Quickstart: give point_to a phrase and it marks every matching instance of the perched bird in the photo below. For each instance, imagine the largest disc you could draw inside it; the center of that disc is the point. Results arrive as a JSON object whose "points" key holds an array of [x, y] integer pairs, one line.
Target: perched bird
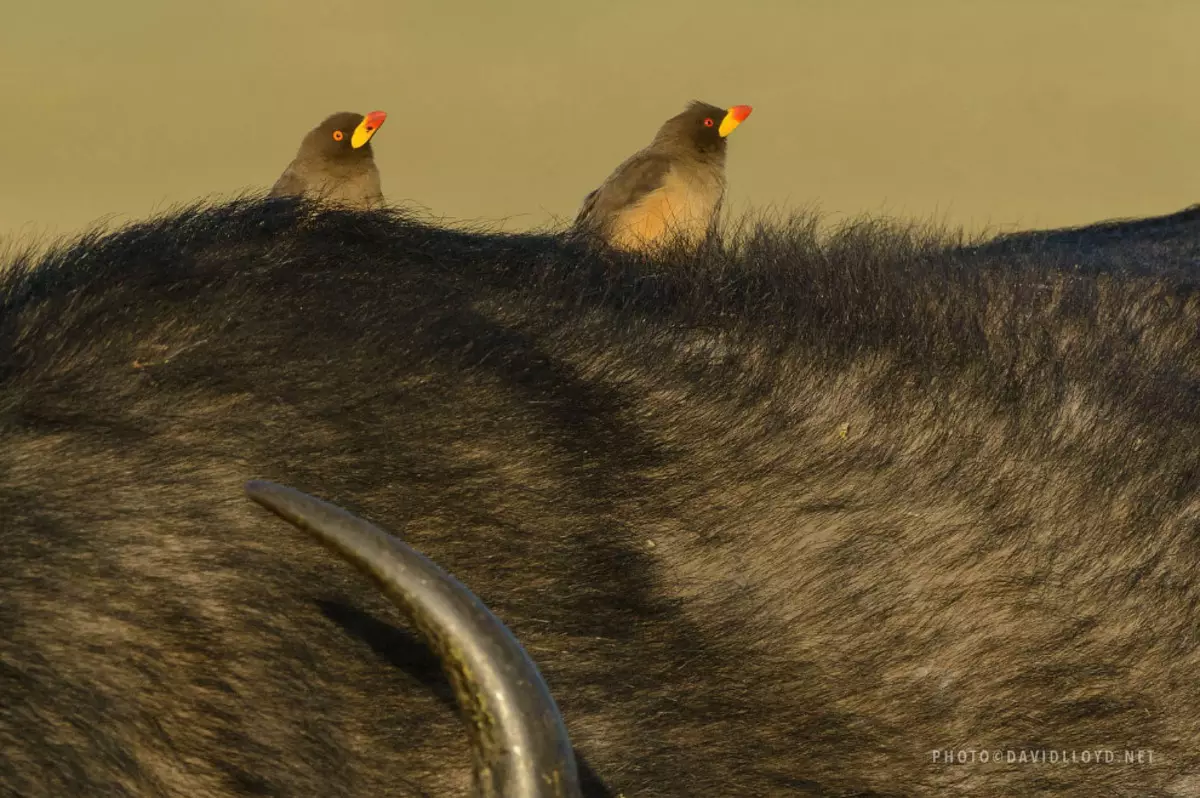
{"points": [[670, 190], [335, 162]]}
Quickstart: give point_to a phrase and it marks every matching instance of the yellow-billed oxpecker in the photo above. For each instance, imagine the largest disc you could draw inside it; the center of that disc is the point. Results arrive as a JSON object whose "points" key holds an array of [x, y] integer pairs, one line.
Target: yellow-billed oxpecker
{"points": [[335, 162], [669, 191]]}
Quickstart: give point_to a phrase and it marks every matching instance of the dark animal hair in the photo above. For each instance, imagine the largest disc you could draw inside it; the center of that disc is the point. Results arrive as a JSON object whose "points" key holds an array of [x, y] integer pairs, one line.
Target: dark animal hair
{"points": [[1156, 244], [806, 514]]}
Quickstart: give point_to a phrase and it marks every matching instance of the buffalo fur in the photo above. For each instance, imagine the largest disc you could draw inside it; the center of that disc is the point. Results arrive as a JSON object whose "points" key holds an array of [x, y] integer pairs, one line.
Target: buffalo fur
{"points": [[784, 518]]}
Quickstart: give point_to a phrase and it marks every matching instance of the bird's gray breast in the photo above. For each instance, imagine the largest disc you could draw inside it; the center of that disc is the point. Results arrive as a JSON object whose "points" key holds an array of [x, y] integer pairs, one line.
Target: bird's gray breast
{"points": [[355, 184], [684, 204]]}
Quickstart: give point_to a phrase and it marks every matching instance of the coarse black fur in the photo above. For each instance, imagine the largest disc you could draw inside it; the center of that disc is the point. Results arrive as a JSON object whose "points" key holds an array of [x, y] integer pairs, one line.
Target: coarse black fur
{"points": [[783, 518], [1129, 246]]}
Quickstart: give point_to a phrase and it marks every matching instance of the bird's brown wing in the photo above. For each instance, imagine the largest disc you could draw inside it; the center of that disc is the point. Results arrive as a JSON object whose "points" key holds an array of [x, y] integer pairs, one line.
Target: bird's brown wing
{"points": [[635, 178], [289, 184], [586, 208]]}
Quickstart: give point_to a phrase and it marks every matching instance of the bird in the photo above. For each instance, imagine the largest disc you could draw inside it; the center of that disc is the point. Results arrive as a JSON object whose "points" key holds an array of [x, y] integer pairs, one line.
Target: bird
{"points": [[671, 190], [335, 162]]}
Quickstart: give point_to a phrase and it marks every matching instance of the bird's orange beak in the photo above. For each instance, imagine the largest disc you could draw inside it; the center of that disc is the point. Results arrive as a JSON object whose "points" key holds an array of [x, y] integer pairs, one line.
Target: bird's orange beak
{"points": [[733, 117], [366, 128]]}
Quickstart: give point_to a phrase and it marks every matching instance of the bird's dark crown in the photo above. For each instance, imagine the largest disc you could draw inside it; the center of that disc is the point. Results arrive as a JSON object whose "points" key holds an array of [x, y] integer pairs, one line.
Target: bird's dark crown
{"points": [[696, 128], [323, 142]]}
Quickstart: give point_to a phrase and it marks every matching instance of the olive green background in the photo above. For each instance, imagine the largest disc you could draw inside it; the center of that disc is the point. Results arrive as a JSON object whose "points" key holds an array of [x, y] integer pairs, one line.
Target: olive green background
{"points": [[985, 113]]}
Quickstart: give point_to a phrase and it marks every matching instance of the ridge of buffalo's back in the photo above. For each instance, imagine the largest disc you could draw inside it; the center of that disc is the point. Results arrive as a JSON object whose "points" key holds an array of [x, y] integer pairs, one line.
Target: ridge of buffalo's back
{"points": [[781, 517]]}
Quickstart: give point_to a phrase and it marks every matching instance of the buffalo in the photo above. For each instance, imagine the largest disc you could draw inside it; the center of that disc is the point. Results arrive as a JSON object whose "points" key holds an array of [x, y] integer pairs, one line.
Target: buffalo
{"points": [[865, 511]]}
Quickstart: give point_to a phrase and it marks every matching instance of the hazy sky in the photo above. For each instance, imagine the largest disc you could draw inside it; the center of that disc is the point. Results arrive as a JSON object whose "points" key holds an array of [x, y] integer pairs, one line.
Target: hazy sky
{"points": [[995, 113]]}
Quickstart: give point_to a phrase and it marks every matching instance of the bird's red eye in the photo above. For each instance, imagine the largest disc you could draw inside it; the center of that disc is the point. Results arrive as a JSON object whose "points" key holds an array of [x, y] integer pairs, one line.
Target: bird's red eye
{"points": [[338, 135], [708, 122]]}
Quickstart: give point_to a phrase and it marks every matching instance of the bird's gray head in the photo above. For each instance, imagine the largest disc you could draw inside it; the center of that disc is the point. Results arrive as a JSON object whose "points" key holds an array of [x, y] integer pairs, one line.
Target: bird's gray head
{"points": [[343, 137], [702, 127]]}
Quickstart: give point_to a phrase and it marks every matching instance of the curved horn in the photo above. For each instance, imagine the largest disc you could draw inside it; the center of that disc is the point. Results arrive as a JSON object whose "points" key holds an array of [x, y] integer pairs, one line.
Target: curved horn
{"points": [[519, 743]]}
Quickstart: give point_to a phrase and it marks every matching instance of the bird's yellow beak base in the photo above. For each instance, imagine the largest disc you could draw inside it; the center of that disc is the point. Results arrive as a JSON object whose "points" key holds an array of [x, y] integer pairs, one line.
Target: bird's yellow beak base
{"points": [[733, 117], [367, 128]]}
